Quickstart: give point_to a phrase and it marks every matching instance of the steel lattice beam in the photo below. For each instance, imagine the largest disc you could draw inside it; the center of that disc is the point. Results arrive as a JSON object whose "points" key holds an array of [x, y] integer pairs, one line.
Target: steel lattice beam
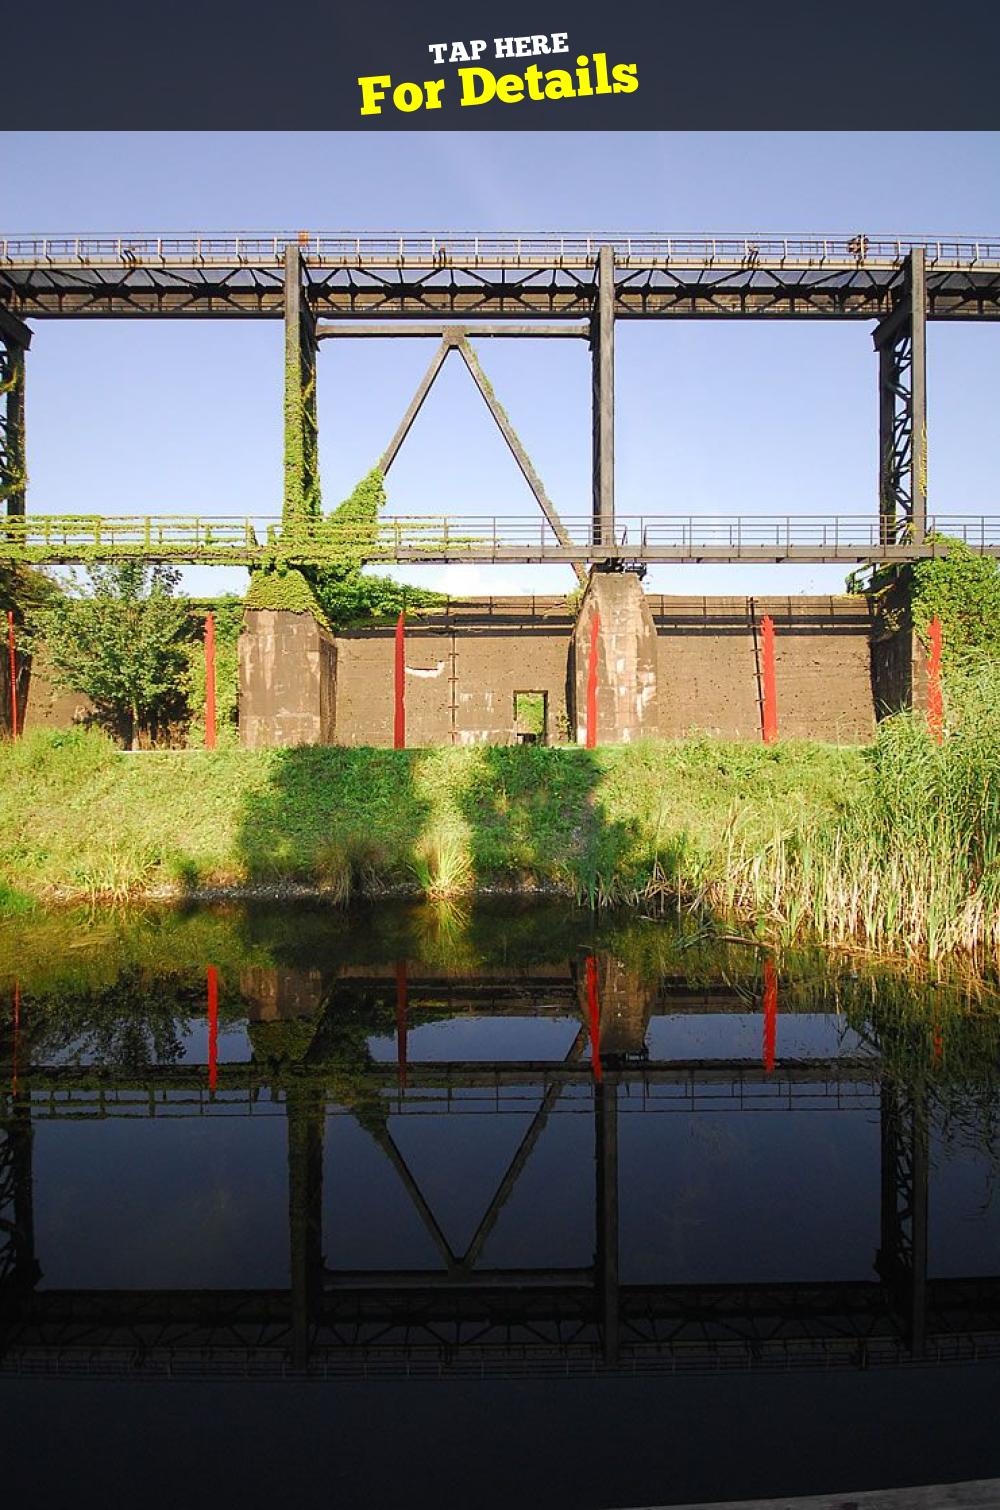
{"points": [[901, 343]]}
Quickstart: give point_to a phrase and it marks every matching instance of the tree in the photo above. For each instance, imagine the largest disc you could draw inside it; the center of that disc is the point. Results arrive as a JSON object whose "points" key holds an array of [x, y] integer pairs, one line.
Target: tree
{"points": [[119, 640]]}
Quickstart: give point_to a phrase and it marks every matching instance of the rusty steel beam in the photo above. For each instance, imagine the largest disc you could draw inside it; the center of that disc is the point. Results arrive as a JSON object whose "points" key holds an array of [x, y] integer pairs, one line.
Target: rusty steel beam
{"points": [[443, 328], [517, 450]]}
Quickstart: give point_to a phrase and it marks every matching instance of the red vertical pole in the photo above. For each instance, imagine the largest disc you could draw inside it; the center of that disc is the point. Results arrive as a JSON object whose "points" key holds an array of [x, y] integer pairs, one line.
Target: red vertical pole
{"points": [[13, 673], [769, 704], [213, 1026], [399, 724], [935, 702], [401, 1001], [594, 1016], [210, 681], [770, 1014], [595, 629]]}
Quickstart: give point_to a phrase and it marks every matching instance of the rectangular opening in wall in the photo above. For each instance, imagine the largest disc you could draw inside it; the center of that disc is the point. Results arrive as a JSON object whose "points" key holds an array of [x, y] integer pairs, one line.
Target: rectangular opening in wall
{"points": [[531, 718]]}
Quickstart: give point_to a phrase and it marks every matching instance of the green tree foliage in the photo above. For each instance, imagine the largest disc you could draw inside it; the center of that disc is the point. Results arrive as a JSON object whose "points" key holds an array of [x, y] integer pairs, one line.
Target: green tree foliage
{"points": [[119, 639]]}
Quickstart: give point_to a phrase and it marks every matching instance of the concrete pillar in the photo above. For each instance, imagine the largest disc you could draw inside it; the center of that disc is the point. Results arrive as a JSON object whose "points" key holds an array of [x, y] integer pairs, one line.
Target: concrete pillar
{"points": [[899, 659], [626, 660], [288, 680]]}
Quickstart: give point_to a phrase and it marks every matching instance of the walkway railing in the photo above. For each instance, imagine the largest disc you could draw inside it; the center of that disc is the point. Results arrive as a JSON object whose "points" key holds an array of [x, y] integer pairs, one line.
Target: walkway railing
{"points": [[248, 541], [494, 249]]}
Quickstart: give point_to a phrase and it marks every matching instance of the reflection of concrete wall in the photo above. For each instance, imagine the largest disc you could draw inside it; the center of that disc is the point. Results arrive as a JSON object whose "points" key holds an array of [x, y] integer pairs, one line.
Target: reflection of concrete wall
{"points": [[275, 995], [624, 1002], [287, 680]]}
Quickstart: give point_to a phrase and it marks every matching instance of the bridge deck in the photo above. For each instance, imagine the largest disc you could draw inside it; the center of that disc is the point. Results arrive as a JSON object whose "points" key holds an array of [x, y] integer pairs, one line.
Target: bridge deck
{"points": [[229, 540], [492, 275]]}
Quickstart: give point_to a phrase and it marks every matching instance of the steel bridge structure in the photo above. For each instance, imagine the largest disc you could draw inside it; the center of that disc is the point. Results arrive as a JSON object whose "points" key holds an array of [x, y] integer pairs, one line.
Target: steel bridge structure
{"points": [[461, 288], [466, 1314]]}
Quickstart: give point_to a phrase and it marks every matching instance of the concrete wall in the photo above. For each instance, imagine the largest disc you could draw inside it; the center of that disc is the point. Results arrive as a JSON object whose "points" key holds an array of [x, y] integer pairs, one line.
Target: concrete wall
{"points": [[287, 680], [463, 666], [709, 666]]}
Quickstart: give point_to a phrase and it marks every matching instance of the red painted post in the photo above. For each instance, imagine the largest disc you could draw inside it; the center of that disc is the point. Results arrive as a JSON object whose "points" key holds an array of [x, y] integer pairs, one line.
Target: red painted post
{"points": [[594, 1017], [213, 1026], [401, 1002], [210, 681], [935, 702], [399, 724], [13, 673], [770, 1014], [595, 629], [769, 700]]}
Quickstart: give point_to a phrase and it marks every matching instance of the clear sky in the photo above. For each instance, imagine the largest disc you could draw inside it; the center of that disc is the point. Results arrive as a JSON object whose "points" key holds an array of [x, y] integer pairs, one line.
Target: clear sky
{"points": [[742, 417]]}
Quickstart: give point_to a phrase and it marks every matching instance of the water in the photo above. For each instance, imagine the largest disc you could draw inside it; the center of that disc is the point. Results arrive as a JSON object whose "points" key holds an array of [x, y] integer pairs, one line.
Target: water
{"points": [[413, 1205]]}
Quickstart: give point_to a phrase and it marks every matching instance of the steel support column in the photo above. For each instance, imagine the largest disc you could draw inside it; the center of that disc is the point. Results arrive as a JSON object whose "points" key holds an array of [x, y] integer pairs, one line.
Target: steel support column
{"points": [[606, 1139], [15, 339], [302, 491], [18, 1264], [305, 1111], [602, 346], [902, 1257], [901, 343]]}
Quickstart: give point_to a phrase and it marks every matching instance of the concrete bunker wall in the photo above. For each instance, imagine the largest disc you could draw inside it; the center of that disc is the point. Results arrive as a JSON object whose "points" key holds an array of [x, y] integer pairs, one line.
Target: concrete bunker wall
{"points": [[464, 665], [709, 666], [839, 663]]}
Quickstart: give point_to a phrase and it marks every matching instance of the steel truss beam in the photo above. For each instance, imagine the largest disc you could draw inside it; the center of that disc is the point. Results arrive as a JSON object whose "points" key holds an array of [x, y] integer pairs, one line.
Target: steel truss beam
{"points": [[901, 342], [302, 489], [455, 338]]}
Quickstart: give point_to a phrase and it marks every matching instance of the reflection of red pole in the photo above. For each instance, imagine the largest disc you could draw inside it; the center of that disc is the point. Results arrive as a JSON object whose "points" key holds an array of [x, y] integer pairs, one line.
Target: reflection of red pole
{"points": [[935, 702], [13, 673], [399, 724], [17, 1029], [595, 629], [213, 1026], [770, 1013], [401, 1021], [210, 681], [769, 706], [594, 1014]]}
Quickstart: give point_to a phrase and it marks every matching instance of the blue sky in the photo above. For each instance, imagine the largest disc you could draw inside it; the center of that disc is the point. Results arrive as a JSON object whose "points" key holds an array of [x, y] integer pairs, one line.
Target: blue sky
{"points": [[743, 417]]}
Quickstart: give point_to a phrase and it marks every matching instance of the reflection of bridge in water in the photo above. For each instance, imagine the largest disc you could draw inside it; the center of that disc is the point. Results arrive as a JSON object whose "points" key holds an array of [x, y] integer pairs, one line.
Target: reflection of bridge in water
{"points": [[465, 1314]]}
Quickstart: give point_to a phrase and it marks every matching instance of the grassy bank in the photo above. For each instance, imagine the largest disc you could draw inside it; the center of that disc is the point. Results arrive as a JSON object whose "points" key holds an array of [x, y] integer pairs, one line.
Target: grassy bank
{"points": [[895, 848]]}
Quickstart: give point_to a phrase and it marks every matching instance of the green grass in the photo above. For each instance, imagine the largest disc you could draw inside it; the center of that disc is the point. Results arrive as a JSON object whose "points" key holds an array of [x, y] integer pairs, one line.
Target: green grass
{"points": [[895, 847]]}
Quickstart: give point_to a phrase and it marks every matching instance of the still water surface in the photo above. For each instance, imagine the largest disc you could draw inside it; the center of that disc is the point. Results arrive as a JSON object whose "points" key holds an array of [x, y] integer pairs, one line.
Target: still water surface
{"points": [[493, 1189]]}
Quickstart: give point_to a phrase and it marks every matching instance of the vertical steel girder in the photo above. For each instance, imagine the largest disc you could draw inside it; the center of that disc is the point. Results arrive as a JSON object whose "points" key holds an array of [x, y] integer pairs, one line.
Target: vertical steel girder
{"points": [[902, 1258], [606, 1211], [306, 1118], [302, 490], [14, 341], [901, 343], [18, 1265], [602, 346]]}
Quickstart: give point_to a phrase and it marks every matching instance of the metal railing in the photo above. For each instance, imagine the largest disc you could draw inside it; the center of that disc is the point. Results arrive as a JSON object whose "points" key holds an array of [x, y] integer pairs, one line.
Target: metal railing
{"points": [[494, 249], [221, 539]]}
